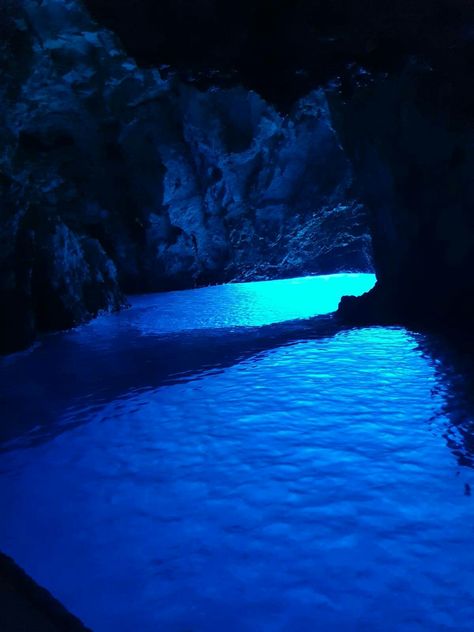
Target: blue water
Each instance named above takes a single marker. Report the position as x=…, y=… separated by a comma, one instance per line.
x=205, y=462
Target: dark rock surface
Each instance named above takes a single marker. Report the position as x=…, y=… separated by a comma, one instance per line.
x=26, y=607
x=116, y=179
x=284, y=48
x=400, y=74
x=412, y=146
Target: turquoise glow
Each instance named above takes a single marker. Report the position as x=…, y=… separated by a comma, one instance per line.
x=186, y=469
x=246, y=304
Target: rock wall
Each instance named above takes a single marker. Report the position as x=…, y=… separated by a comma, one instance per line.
x=117, y=179
x=400, y=78
x=410, y=136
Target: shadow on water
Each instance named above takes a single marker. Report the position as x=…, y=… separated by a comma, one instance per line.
x=57, y=385
x=453, y=360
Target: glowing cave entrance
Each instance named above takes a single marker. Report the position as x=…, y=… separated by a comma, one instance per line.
x=251, y=304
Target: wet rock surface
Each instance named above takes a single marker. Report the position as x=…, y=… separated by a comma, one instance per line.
x=118, y=179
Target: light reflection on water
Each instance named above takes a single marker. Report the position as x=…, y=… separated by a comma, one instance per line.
x=293, y=477
x=246, y=304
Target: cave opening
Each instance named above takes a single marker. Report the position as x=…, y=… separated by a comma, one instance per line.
x=124, y=179
x=212, y=416
x=259, y=195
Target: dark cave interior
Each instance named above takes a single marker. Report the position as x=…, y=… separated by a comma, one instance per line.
x=163, y=146
x=168, y=179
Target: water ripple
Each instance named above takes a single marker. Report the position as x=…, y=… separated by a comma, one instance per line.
x=295, y=478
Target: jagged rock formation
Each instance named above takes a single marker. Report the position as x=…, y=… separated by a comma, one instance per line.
x=400, y=74
x=117, y=179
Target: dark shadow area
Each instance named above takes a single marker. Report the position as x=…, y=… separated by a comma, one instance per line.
x=453, y=360
x=59, y=384
x=25, y=606
x=67, y=379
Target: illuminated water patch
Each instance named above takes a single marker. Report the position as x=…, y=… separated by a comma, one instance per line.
x=208, y=478
x=246, y=304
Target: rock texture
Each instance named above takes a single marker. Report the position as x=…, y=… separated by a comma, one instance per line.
x=117, y=179
x=400, y=75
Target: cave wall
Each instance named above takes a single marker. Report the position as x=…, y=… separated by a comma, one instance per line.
x=399, y=75
x=410, y=136
x=119, y=179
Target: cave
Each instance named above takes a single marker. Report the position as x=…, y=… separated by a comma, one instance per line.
x=236, y=353
x=121, y=179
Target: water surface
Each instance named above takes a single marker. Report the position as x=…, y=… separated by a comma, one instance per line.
x=205, y=462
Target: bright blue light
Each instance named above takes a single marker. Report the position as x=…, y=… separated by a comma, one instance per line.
x=219, y=477
x=246, y=304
